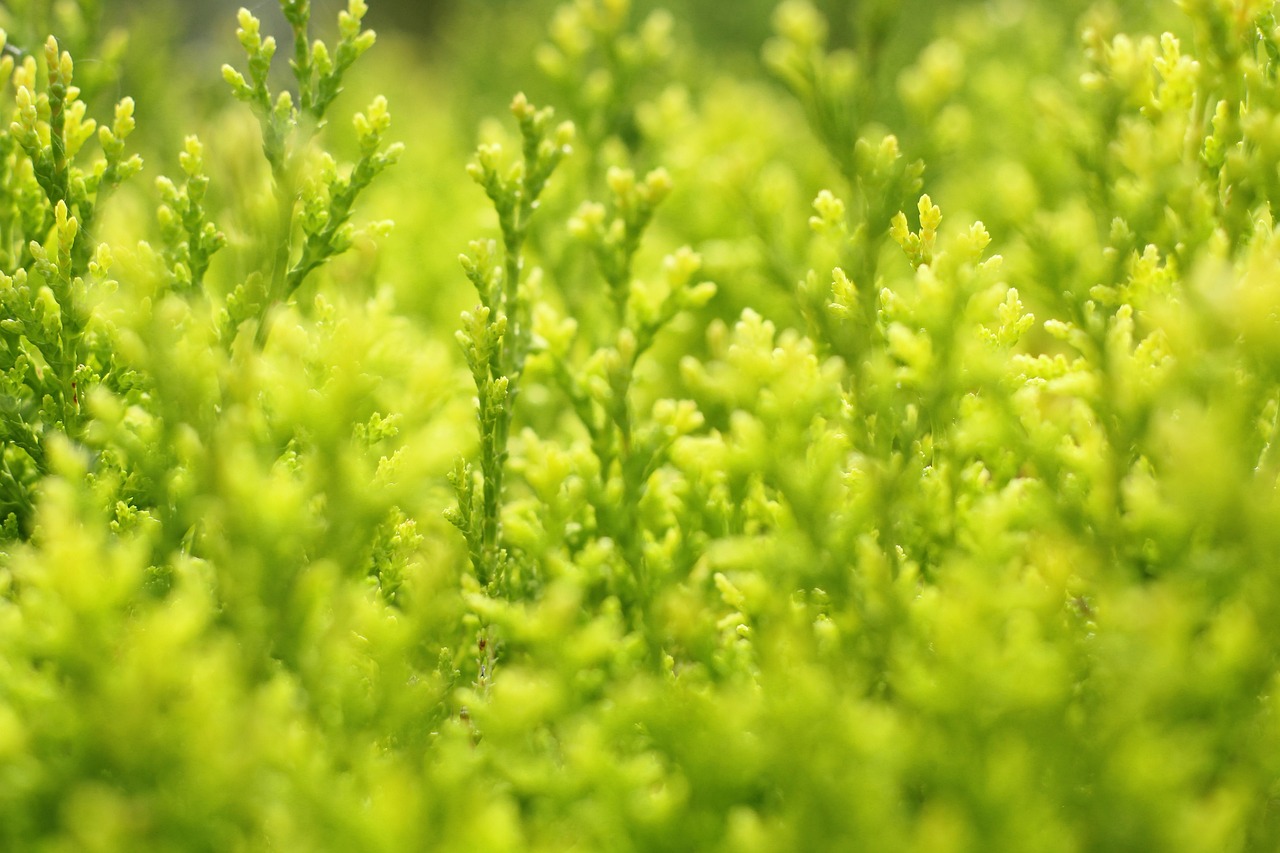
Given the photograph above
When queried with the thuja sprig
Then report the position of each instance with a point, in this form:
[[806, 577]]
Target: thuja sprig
[[599, 64], [514, 191], [44, 319], [828, 85], [836, 88], [50, 357], [277, 116], [495, 336], [190, 237], [328, 200], [883, 178], [833, 88], [918, 245], [51, 128], [613, 232], [629, 449], [600, 391], [478, 517], [323, 201], [318, 72]]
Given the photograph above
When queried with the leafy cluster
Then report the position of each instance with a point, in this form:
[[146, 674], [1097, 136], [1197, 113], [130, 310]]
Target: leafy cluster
[[320, 205], [496, 336], [51, 273], [944, 519]]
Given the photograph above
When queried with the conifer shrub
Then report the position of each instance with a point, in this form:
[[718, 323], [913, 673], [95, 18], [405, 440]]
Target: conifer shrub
[[867, 446]]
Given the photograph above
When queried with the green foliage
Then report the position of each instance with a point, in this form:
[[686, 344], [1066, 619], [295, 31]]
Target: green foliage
[[313, 194], [190, 238], [495, 337], [53, 352], [944, 519], [597, 64]]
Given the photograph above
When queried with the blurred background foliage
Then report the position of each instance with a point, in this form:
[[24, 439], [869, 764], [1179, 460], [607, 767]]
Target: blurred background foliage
[[929, 586], [443, 82]]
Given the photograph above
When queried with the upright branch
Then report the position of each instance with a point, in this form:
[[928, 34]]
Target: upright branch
[[600, 63], [629, 448], [190, 237], [833, 87], [51, 355], [495, 336], [321, 199]]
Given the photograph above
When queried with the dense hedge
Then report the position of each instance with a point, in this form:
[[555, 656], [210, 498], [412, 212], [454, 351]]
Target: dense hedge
[[862, 441]]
